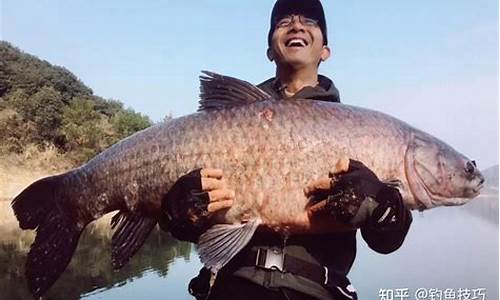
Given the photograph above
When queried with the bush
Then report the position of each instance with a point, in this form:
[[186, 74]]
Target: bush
[[14, 132], [108, 107], [81, 129], [44, 109], [128, 122]]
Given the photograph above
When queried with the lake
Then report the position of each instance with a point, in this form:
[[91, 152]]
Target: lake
[[447, 248]]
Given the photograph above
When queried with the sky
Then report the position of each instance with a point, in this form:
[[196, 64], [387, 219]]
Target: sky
[[433, 64]]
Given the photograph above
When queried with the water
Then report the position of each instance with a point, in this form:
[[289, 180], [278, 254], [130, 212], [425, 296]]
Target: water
[[445, 248]]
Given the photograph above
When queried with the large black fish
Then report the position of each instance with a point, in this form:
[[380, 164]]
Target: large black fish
[[269, 150]]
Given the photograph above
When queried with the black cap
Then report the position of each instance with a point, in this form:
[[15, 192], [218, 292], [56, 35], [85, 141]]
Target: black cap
[[308, 8]]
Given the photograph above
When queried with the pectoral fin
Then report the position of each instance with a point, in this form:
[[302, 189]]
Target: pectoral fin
[[222, 242], [133, 229]]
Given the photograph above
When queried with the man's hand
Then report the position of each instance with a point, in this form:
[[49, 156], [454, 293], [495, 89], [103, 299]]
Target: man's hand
[[213, 185], [317, 192], [357, 197], [191, 201]]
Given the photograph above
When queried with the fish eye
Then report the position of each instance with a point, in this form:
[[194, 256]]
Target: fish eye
[[470, 166]]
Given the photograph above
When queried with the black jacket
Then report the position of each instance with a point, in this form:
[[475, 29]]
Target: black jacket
[[325, 90]]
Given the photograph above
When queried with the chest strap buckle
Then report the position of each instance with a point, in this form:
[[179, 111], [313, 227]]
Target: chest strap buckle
[[270, 259]]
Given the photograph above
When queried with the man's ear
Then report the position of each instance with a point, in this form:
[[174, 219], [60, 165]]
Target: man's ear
[[325, 53], [270, 54]]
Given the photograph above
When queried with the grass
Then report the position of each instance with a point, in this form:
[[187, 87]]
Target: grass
[[19, 170]]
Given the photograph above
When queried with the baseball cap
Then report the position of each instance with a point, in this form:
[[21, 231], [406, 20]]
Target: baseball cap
[[308, 8]]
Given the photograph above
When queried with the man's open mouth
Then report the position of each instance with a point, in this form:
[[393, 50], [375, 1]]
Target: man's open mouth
[[296, 42]]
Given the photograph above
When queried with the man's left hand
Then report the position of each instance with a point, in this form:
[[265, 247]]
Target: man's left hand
[[357, 197]]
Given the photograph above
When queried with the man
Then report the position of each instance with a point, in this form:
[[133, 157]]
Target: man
[[314, 267]]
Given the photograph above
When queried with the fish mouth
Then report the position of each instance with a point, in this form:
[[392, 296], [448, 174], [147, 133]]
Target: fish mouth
[[480, 184], [477, 190], [433, 198], [439, 200]]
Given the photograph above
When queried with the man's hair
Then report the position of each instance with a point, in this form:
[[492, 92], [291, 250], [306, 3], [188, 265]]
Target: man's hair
[[308, 8]]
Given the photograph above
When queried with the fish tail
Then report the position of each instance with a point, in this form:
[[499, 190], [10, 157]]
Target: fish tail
[[34, 203], [57, 233]]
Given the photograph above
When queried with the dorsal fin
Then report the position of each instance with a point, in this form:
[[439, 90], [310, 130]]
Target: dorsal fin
[[219, 92]]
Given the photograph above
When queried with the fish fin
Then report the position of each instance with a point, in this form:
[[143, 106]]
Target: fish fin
[[57, 232], [51, 252], [35, 202], [220, 92], [132, 231], [219, 244]]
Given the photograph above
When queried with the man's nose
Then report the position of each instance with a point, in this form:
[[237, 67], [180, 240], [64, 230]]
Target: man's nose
[[297, 23]]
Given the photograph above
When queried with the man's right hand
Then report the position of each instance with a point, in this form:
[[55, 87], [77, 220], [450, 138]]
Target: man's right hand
[[191, 201]]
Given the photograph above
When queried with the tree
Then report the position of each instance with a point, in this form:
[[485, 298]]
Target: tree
[[44, 109], [81, 128], [108, 107], [128, 122]]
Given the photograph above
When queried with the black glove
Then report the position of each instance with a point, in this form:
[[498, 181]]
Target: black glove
[[391, 213], [351, 188], [184, 209], [340, 286], [199, 286]]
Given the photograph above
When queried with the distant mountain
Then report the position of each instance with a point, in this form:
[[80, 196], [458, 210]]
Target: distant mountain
[[491, 177]]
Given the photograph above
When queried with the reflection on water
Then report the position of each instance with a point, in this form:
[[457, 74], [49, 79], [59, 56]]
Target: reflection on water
[[445, 248], [450, 247], [89, 272], [485, 206]]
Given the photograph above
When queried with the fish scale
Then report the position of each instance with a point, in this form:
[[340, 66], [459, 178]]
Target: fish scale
[[270, 163]]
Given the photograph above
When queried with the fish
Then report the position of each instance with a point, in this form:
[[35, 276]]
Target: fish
[[269, 149]]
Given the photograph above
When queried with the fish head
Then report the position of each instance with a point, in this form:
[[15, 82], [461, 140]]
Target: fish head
[[438, 175]]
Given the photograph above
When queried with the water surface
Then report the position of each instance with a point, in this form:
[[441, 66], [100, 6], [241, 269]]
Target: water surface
[[445, 248]]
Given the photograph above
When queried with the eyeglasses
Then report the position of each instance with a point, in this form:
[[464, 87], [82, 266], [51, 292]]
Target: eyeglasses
[[288, 20]]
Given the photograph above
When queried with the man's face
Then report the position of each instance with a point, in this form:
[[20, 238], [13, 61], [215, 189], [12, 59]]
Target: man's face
[[298, 42]]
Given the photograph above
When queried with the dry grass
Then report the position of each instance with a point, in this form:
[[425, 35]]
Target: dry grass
[[18, 171], [6, 113], [9, 230]]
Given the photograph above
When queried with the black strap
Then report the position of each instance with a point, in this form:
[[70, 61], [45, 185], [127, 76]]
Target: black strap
[[291, 264]]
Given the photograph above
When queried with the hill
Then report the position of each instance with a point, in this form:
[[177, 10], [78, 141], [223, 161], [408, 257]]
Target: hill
[[486, 205], [491, 177], [50, 121], [48, 107]]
